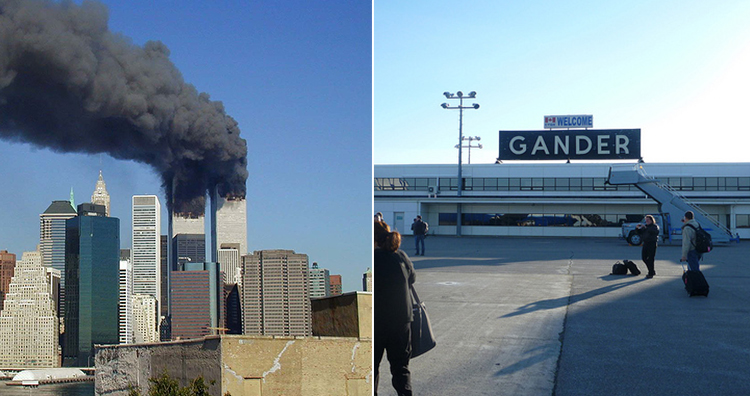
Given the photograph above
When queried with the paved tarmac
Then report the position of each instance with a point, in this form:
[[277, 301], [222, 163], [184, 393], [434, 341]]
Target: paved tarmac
[[542, 316]]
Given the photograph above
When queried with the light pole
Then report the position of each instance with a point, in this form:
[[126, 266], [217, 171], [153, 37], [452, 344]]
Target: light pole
[[469, 146], [460, 96]]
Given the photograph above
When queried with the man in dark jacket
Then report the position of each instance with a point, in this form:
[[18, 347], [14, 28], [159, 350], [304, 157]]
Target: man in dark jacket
[[420, 231], [689, 252], [650, 235]]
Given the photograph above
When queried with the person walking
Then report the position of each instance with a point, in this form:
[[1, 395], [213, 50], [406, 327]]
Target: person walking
[[393, 307], [650, 235], [689, 253], [420, 231]]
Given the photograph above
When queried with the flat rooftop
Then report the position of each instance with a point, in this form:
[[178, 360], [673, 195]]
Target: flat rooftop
[[542, 316]]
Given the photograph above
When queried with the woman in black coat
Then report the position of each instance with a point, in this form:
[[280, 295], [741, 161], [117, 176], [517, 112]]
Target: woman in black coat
[[650, 236], [394, 273]]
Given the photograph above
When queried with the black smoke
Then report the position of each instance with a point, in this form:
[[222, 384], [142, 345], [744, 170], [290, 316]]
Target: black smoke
[[69, 84]]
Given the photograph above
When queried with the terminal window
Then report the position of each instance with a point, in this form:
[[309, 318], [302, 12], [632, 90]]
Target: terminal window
[[537, 219]]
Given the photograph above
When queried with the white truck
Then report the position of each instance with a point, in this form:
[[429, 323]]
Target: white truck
[[633, 238]]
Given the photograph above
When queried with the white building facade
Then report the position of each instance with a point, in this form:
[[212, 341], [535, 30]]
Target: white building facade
[[125, 313], [230, 264], [231, 224], [28, 322], [320, 284], [551, 199], [145, 253], [144, 319]]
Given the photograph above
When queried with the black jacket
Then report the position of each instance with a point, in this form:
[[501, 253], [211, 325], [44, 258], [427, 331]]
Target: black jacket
[[419, 227], [649, 233], [393, 273]]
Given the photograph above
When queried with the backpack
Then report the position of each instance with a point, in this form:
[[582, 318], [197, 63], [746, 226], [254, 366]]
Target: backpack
[[619, 269], [703, 243]]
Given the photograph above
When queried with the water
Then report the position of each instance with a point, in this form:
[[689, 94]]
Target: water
[[74, 389]]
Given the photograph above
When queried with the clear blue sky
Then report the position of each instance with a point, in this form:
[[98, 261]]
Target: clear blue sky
[[679, 71], [296, 75]]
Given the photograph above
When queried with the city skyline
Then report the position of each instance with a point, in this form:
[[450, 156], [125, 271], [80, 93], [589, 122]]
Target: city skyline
[[304, 156]]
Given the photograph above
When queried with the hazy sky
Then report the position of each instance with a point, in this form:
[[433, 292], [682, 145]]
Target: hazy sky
[[296, 76], [679, 71]]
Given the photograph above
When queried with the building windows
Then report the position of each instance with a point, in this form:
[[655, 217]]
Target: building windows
[[556, 184], [743, 220], [538, 219]]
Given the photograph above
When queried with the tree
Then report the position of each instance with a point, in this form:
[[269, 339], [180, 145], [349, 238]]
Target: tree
[[164, 385]]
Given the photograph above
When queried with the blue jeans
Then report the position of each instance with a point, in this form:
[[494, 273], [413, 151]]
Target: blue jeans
[[692, 259], [417, 240]]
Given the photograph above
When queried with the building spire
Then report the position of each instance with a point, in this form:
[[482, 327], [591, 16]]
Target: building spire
[[100, 195], [72, 199]]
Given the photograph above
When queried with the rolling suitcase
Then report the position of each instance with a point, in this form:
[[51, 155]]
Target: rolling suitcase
[[695, 283], [632, 267]]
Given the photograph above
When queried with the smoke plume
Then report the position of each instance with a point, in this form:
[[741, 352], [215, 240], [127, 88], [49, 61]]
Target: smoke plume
[[69, 84]]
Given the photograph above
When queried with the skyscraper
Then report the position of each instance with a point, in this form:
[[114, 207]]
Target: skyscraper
[[367, 280], [125, 305], [100, 195], [229, 224], [28, 321], [319, 282], [230, 264], [188, 248], [165, 269], [188, 224], [92, 264], [275, 293], [52, 242], [144, 318], [146, 249], [336, 288], [7, 264], [197, 300]]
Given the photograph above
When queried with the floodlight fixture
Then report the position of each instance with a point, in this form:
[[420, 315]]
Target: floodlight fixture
[[460, 96]]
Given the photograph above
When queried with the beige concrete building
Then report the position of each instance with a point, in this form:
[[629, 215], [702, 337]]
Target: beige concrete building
[[275, 293], [336, 363], [28, 322]]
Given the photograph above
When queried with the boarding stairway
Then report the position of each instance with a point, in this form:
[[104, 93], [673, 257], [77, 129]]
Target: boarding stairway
[[670, 202]]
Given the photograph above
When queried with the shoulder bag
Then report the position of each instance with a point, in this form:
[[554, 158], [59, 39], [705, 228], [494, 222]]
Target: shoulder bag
[[422, 339]]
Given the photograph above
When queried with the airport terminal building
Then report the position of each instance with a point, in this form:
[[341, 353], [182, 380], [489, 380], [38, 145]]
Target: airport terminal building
[[552, 199]]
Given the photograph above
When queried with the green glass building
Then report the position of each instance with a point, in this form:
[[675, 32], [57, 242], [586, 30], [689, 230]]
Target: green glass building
[[92, 259]]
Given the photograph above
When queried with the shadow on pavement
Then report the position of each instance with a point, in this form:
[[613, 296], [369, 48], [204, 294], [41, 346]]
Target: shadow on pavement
[[570, 300]]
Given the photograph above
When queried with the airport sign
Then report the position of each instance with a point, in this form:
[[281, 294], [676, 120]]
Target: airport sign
[[592, 144], [568, 121]]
